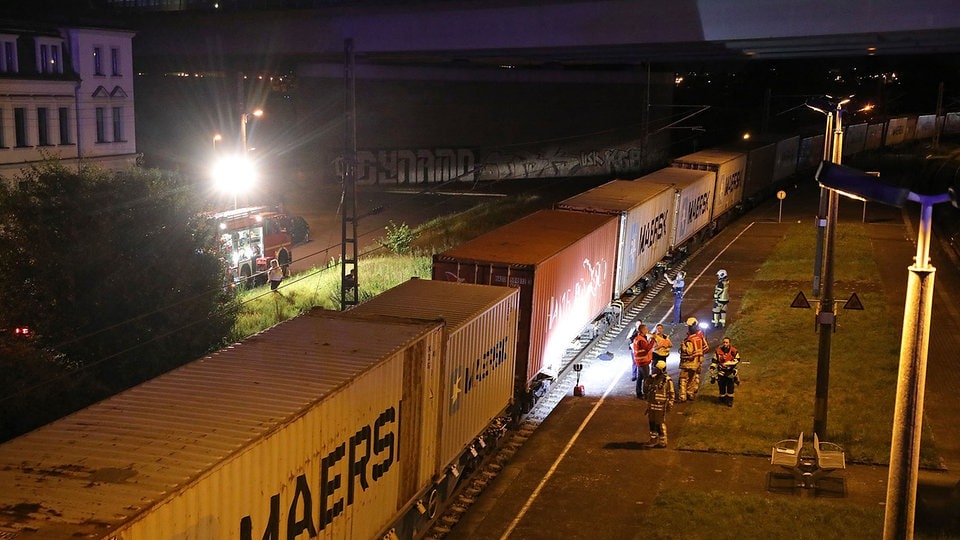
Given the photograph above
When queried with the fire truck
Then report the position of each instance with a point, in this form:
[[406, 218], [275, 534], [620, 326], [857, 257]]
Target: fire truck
[[249, 238]]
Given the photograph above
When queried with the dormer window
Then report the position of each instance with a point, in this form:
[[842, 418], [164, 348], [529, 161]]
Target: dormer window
[[48, 56]]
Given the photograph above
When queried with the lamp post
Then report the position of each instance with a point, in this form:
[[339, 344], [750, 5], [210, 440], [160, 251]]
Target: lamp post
[[826, 229], [908, 413], [243, 127], [216, 138]]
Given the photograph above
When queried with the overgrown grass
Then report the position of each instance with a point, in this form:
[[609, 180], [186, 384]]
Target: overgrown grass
[[721, 515], [775, 400]]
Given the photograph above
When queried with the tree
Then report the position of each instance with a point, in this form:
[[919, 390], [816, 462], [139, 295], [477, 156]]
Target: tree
[[116, 274]]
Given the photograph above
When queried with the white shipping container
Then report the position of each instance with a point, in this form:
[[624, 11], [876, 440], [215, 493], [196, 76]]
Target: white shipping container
[[692, 194], [479, 357], [309, 426], [644, 212], [730, 170]]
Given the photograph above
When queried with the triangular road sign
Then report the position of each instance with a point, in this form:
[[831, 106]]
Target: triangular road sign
[[800, 301], [853, 302]]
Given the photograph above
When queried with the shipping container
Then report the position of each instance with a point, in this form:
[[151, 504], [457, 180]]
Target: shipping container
[[785, 163], [563, 264], [811, 152], [875, 134], [692, 194], [896, 131], [926, 126], [950, 123], [308, 427], [854, 139], [729, 168], [479, 357], [761, 158], [643, 210]]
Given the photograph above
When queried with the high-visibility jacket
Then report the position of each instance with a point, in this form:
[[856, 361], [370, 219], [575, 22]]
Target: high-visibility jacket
[[692, 350], [642, 350]]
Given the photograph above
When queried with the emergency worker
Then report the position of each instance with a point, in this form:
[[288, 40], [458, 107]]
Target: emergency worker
[[659, 400], [723, 370], [721, 295], [677, 284], [692, 349], [630, 337], [642, 348], [661, 344]]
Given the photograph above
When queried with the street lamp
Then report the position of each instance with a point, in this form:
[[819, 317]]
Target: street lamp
[[908, 413], [826, 228], [243, 127], [216, 138]]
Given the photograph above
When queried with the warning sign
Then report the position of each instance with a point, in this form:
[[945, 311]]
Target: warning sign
[[800, 301], [852, 303]]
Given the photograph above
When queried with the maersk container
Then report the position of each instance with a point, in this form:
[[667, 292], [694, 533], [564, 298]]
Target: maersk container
[[854, 139], [308, 428], [875, 134], [692, 194], [785, 164], [730, 170], [926, 126], [897, 131], [761, 160], [479, 357], [811, 152], [643, 212], [561, 261]]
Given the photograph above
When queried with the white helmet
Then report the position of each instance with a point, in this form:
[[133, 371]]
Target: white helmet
[[722, 274]]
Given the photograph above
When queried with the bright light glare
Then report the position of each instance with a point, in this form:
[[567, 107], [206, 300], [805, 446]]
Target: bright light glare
[[234, 174]]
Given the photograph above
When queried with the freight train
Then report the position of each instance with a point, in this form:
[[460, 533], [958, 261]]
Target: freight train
[[361, 424]]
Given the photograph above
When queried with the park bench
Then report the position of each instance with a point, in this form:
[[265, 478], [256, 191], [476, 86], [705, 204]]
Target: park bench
[[806, 465], [786, 453]]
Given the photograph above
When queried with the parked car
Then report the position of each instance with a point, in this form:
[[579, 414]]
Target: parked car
[[299, 230]]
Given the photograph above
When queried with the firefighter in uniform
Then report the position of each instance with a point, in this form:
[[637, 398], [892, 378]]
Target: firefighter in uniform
[[721, 295], [723, 371], [659, 400], [692, 349]]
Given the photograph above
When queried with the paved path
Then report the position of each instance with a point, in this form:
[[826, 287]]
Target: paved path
[[577, 475]]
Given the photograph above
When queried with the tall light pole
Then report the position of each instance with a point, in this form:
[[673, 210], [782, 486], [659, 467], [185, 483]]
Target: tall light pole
[[216, 138], [243, 127], [902, 477], [826, 227]]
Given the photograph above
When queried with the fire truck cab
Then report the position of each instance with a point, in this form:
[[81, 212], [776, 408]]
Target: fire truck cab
[[249, 238]]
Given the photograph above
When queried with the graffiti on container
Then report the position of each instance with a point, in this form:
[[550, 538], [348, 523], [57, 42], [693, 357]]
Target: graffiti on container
[[419, 166], [588, 286], [464, 379], [364, 458], [557, 162]]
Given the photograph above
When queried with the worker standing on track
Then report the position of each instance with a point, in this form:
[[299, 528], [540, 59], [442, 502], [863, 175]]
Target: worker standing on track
[[630, 338], [661, 344], [659, 400], [692, 349], [721, 295], [723, 370]]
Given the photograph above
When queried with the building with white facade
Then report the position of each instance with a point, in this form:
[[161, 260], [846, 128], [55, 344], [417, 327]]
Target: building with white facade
[[65, 93]]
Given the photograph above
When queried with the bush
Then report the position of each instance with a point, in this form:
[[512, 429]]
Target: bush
[[399, 238]]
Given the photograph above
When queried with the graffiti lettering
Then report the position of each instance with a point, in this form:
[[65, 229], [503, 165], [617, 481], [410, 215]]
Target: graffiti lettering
[[590, 284], [419, 166]]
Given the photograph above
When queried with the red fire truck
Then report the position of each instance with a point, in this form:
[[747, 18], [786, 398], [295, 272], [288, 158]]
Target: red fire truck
[[249, 238]]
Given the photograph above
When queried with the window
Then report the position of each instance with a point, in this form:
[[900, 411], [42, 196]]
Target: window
[[9, 57], [55, 66], [115, 61], [64, 119], [118, 123], [97, 61], [20, 125], [44, 59], [101, 128], [43, 128]]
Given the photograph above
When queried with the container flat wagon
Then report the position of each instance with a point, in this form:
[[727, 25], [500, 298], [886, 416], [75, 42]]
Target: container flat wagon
[[563, 264], [643, 211], [308, 429], [477, 366]]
